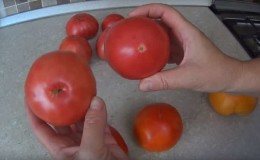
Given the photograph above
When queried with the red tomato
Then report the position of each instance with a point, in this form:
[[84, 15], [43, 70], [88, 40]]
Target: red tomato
[[100, 44], [176, 49], [119, 139], [59, 88], [77, 45], [158, 127], [137, 47], [110, 20], [82, 24]]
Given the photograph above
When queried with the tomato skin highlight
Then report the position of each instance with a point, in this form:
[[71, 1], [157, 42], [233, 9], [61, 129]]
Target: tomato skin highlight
[[110, 20], [227, 104], [100, 44], [59, 88], [82, 24], [137, 47], [158, 127], [119, 139], [77, 45]]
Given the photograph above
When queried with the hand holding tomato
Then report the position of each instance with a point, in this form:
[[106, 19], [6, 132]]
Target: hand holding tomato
[[203, 66], [59, 88], [96, 141], [137, 47]]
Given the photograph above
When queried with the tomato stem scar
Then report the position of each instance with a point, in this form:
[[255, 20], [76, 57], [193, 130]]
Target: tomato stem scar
[[141, 48], [57, 91]]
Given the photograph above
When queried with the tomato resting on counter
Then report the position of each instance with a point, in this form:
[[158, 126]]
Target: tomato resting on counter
[[158, 127], [119, 139], [109, 20], [77, 45], [137, 47], [59, 88], [100, 44], [82, 24], [227, 104]]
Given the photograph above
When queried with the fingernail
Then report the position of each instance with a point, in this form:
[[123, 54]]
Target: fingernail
[[146, 85], [96, 104]]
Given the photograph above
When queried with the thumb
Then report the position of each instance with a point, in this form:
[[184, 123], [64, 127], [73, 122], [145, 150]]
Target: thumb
[[164, 80], [93, 137]]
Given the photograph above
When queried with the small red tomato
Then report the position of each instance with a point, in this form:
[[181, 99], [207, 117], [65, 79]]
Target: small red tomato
[[100, 44], [158, 127], [119, 139], [82, 24], [137, 47], [59, 88], [110, 20], [77, 45]]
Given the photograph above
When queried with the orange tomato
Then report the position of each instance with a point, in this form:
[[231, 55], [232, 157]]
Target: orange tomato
[[158, 127], [227, 104]]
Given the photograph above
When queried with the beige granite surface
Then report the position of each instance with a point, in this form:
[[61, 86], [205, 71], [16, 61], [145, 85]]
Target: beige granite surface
[[206, 134]]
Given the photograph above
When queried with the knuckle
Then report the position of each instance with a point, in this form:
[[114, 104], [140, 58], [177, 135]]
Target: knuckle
[[164, 83], [92, 119]]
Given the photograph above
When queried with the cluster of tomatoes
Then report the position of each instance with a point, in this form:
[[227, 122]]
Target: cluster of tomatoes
[[60, 84]]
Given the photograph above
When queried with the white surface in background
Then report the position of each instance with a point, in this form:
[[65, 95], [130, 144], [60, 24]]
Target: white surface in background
[[90, 5]]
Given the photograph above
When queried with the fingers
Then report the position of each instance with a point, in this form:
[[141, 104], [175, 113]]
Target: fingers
[[94, 126], [53, 141], [170, 16], [46, 135], [164, 80]]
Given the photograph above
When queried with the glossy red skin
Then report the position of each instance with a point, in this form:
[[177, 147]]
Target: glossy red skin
[[176, 49], [83, 24], [158, 127], [137, 47], [110, 20], [100, 44], [119, 139], [77, 45], [67, 72]]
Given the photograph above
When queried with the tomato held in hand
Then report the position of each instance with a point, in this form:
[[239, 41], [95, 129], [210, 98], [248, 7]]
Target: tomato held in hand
[[137, 47], [77, 45], [158, 127], [100, 44], [119, 139], [227, 104], [59, 88], [110, 20], [82, 24]]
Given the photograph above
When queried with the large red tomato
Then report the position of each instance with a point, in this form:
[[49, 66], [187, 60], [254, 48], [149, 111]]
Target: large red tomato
[[100, 44], [158, 127], [82, 24], [137, 47], [59, 88], [77, 45], [119, 139], [110, 20]]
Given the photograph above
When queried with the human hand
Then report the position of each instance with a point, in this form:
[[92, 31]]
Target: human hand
[[202, 67], [91, 142]]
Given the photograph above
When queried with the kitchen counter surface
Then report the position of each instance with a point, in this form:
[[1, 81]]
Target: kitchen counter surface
[[206, 134]]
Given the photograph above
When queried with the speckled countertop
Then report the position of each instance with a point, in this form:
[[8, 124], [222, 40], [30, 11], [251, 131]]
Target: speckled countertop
[[206, 134]]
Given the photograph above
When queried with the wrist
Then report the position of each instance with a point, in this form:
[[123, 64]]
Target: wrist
[[247, 80]]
